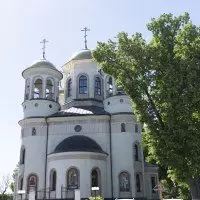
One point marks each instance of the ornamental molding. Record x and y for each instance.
(76, 155)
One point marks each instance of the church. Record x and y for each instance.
(82, 135)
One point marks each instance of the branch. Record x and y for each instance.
(155, 109)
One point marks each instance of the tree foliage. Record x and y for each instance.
(162, 77)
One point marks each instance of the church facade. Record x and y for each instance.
(80, 136)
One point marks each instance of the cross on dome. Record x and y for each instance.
(44, 41)
(85, 29)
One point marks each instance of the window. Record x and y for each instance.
(49, 90)
(69, 87)
(136, 128)
(37, 89)
(97, 86)
(123, 127)
(33, 131)
(153, 184)
(124, 182)
(22, 159)
(138, 185)
(32, 182)
(53, 180)
(21, 184)
(83, 85)
(27, 90)
(110, 86)
(95, 181)
(73, 179)
(136, 152)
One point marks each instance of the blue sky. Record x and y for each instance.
(24, 23)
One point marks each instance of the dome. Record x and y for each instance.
(42, 63)
(78, 143)
(81, 55)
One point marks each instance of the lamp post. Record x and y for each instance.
(95, 189)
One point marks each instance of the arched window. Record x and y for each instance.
(37, 89)
(123, 127)
(124, 182)
(33, 131)
(109, 86)
(53, 180)
(27, 90)
(136, 152)
(22, 158)
(138, 184)
(69, 88)
(83, 85)
(97, 86)
(95, 178)
(136, 128)
(73, 179)
(32, 183)
(21, 184)
(49, 89)
(153, 184)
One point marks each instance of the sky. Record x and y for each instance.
(24, 23)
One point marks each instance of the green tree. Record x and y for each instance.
(162, 77)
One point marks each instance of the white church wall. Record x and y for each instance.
(35, 153)
(88, 68)
(122, 148)
(149, 172)
(117, 104)
(84, 163)
(38, 107)
(95, 127)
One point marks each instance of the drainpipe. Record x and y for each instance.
(111, 166)
(45, 169)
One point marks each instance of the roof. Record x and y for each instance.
(42, 63)
(80, 111)
(81, 55)
(78, 143)
(149, 164)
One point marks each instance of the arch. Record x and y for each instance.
(69, 87)
(49, 90)
(95, 177)
(73, 178)
(97, 86)
(53, 177)
(20, 186)
(123, 127)
(37, 89)
(83, 84)
(124, 181)
(136, 151)
(27, 89)
(22, 155)
(136, 128)
(153, 184)
(138, 182)
(109, 86)
(32, 182)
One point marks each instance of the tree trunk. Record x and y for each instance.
(195, 189)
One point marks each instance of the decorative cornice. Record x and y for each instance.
(76, 155)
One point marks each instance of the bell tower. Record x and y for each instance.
(41, 89)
